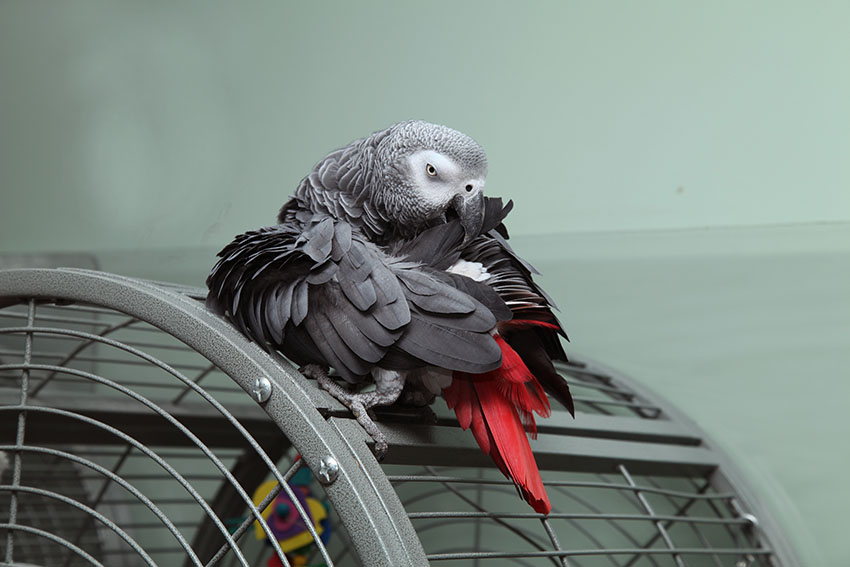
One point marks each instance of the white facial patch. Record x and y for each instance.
(473, 270)
(444, 167)
(437, 190)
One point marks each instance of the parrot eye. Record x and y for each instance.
(431, 170)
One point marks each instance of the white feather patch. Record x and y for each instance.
(472, 270)
(436, 379)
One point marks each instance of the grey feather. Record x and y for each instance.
(392, 310)
(356, 255)
(341, 240)
(354, 337)
(234, 304)
(450, 348)
(298, 309)
(361, 293)
(480, 321)
(323, 272)
(276, 309)
(377, 332)
(256, 318)
(318, 240)
(321, 328)
(482, 293)
(432, 295)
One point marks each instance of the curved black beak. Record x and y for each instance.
(470, 211)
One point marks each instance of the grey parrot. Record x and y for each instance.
(391, 266)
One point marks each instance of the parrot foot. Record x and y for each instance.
(389, 386)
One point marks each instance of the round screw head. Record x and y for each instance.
(328, 470)
(261, 389)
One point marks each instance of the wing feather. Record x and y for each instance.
(319, 291)
(435, 296)
(299, 302)
(450, 348)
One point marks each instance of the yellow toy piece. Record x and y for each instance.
(314, 508)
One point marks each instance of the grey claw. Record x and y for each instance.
(381, 448)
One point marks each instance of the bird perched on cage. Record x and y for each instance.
(390, 265)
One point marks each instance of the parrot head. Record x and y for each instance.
(399, 181)
(428, 174)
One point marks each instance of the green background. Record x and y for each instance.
(681, 175)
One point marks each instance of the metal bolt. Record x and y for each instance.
(752, 519)
(261, 389)
(754, 522)
(328, 470)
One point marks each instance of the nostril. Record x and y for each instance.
(469, 187)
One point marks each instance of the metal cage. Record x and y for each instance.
(138, 427)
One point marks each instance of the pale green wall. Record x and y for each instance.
(151, 124)
(169, 128)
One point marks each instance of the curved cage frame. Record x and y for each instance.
(360, 494)
(623, 434)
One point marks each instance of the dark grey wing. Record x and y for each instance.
(259, 284)
(327, 295)
(311, 291)
(448, 327)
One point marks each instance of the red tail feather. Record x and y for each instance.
(495, 405)
(521, 323)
